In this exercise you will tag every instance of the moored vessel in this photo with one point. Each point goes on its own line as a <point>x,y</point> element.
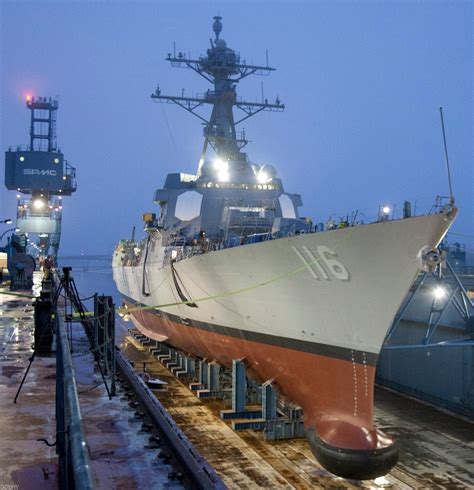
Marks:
<point>229,270</point>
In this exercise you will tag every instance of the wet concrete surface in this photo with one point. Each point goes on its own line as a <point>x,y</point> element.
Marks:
<point>436,448</point>
<point>23,460</point>
<point>116,439</point>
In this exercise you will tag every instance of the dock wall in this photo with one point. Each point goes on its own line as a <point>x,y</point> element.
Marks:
<point>441,375</point>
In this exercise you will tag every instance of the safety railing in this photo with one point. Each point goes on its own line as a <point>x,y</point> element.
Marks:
<point>72,449</point>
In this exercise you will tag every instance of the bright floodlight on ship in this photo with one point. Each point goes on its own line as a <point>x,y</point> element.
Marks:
<point>223,175</point>
<point>386,210</point>
<point>262,177</point>
<point>38,204</point>
<point>222,169</point>
<point>439,292</point>
<point>220,164</point>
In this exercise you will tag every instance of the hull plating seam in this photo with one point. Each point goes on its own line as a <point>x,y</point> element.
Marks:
<point>326,350</point>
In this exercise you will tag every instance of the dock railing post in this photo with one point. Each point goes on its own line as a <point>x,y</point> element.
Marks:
<point>96,326</point>
<point>112,349</point>
<point>61,437</point>
<point>105,325</point>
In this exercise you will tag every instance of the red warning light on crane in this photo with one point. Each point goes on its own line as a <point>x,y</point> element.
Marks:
<point>28,98</point>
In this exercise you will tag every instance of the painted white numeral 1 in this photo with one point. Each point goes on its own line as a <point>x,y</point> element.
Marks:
<point>315,264</point>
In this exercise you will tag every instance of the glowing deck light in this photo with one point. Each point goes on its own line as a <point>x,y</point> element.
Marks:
<point>222,168</point>
<point>439,292</point>
<point>220,164</point>
<point>223,175</point>
<point>386,210</point>
<point>38,203</point>
<point>262,177</point>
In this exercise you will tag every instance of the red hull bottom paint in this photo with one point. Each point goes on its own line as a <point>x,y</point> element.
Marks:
<point>336,395</point>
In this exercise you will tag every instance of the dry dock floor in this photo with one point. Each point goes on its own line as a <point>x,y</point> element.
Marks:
<point>436,448</point>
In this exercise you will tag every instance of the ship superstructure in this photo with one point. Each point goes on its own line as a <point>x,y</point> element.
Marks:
<point>229,270</point>
<point>236,197</point>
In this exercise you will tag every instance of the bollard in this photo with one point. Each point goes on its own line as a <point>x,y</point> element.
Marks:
<point>43,326</point>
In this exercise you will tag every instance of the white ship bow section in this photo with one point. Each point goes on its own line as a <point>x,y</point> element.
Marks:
<point>338,288</point>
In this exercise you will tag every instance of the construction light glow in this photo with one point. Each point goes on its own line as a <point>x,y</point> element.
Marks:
<point>222,168</point>
<point>223,175</point>
<point>220,164</point>
<point>262,177</point>
<point>439,292</point>
<point>38,204</point>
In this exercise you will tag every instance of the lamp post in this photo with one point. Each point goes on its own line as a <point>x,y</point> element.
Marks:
<point>5,232</point>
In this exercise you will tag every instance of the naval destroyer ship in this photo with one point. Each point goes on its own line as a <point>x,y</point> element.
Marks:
<point>228,270</point>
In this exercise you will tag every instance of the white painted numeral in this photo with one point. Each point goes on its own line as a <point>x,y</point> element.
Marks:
<point>315,264</point>
<point>324,256</point>
<point>333,265</point>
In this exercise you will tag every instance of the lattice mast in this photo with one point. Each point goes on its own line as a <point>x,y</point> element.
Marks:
<point>43,123</point>
<point>223,69</point>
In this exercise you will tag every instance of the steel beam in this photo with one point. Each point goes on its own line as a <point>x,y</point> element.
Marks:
<point>239,385</point>
<point>269,401</point>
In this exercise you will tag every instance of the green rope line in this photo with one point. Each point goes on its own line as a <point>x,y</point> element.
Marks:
<point>226,294</point>
<point>234,292</point>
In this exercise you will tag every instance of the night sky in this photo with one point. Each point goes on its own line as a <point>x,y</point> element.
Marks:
<point>362,82</point>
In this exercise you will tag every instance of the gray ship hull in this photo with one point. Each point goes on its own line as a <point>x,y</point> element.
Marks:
<point>309,312</point>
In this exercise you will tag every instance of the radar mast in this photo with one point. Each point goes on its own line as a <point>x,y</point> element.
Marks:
<point>222,68</point>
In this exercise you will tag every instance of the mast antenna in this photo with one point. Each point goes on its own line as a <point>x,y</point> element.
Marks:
<point>451,197</point>
<point>223,68</point>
